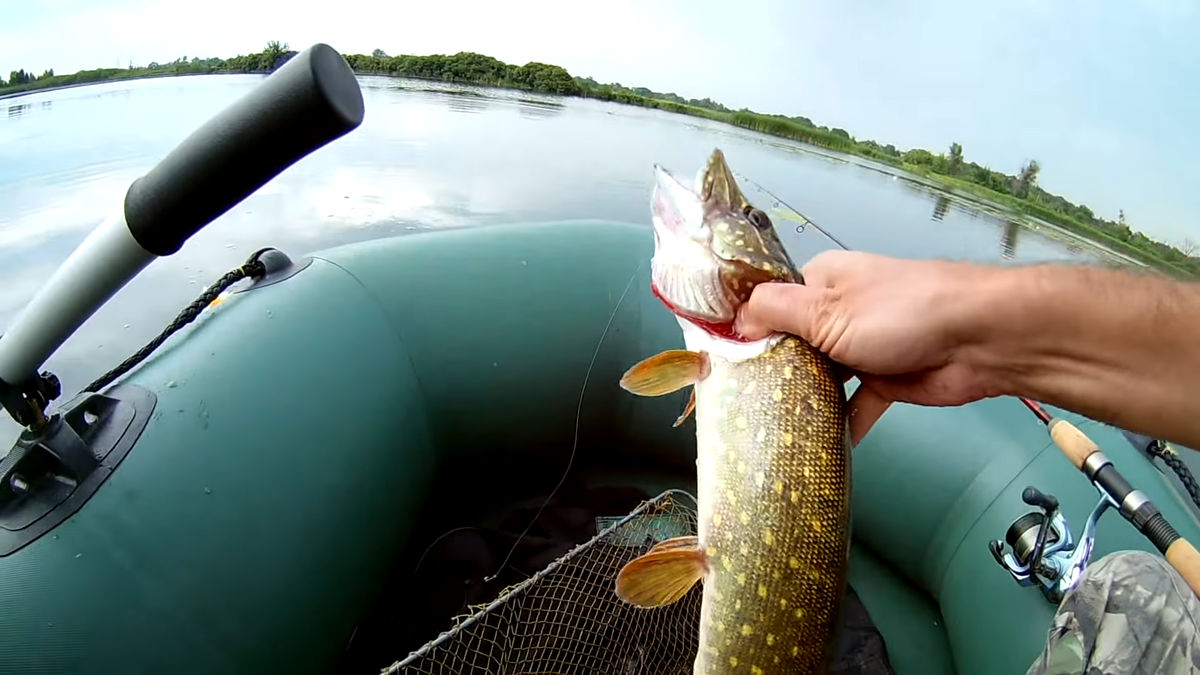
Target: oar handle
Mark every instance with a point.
(306, 104)
(1134, 506)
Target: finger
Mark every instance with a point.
(777, 307)
(866, 407)
(825, 267)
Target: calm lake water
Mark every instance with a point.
(427, 156)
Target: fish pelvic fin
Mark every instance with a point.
(666, 372)
(663, 575)
(687, 410)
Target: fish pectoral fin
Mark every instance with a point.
(691, 407)
(666, 372)
(663, 575)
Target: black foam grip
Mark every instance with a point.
(312, 100)
(1111, 481)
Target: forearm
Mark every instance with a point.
(1117, 347)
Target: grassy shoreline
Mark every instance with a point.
(1018, 192)
(59, 87)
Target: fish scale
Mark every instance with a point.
(774, 485)
(773, 445)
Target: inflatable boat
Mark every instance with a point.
(333, 455)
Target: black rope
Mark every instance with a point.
(1169, 457)
(252, 268)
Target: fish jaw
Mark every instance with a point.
(685, 275)
(711, 247)
(774, 487)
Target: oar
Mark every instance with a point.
(1133, 504)
(306, 104)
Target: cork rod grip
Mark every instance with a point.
(1183, 557)
(1074, 443)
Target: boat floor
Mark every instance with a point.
(458, 540)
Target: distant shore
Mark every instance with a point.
(1019, 192)
(57, 87)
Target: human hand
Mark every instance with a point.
(903, 327)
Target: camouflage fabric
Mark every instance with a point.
(1130, 614)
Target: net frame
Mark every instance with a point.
(567, 618)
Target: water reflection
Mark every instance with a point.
(1008, 239)
(538, 109)
(465, 101)
(416, 165)
(940, 206)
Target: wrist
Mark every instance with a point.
(1115, 346)
(1057, 332)
(1005, 324)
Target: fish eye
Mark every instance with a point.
(758, 217)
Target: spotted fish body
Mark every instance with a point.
(773, 469)
(774, 511)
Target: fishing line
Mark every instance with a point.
(1036, 409)
(435, 541)
(579, 409)
(578, 417)
(1043, 416)
(779, 202)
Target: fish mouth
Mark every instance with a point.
(674, 205)
(712, 247)
(717, 187)
(685, 272)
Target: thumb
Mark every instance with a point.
(777, 307)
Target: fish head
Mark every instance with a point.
(712, 247)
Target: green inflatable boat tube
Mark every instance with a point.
(305, 439)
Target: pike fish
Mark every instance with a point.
(773, 444)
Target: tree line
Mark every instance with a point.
(275, 54)
(1019, 191)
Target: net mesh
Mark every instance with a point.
(567, 618)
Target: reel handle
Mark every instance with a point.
(1035, 497)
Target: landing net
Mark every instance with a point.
(567, 619)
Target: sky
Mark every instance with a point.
(1103, 93)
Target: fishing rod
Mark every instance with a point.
(795, 215)
(1043, 551)
(1060, 569)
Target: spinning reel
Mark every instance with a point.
(1042, 550)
